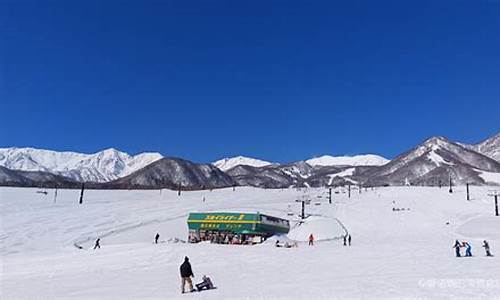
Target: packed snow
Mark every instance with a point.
(402, 241)
(229, 163)
(102, 166)
(489, 177)
(357, 160)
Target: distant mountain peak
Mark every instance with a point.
(489, 147)
(357, 160)
(436, 140)
(101, 166)
(231, 162)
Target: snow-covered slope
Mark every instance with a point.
(395, 253)
(357, 160)
(102, 166)
(229, 163)
(170, 172)
(434, 161)
(489, 147)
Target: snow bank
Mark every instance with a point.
(322, 228)
(489, 177)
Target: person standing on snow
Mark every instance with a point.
(349, 240)
(157, 236)
(186, 274)
(468, 249)
(486, 247)
(311, 240)
(457, 248)
(345, 239)
(97, 244)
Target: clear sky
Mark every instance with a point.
(277, 80)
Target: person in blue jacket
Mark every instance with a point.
(457, 248)
(468, 249)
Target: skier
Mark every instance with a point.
(468, 249)
(349, 239)
(457, 248)
(486, 247)
(97, 244)
(345, 240)
(186, 274)
(311, 240)
(157, 236)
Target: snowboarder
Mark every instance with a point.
(486, 247)
(457, 248)
(468, 249)
(345, 240)
(311, 240)
(205, 284)
(157, 236)
(186, 274)
(349, 240)
(97, 244)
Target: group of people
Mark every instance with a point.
(468, 248)
(216, 237)
(347, 239)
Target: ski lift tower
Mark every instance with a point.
(495, 194)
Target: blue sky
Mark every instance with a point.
(278, 80)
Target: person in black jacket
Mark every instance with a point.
(457, 248)
(97, 244)
(157, 236)
(486, 247)
(186, 274)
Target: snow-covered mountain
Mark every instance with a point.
(170, 172)
(102, 166)
(229, 163)
(357, 160)
(10, 177)
(489, 147)
(431, 162)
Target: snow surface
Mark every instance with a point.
(102, 166)
(489, 177)
(436, 158)
(344, 173)
(395, 254)
(229, 163)
(357, 160)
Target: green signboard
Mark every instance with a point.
(244, 223)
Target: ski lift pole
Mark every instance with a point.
(330, 195)
(81, 193)
(496, 205)
(303, 215)
(494, 194)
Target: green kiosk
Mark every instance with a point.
(234, 227)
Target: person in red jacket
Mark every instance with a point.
(311, 240)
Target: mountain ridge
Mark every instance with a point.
(432, 162)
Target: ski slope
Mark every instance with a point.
(395, 254)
